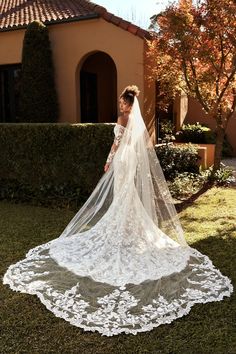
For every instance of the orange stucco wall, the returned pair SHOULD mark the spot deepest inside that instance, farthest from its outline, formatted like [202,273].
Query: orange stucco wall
[196,114]
[71,44]
[11,47]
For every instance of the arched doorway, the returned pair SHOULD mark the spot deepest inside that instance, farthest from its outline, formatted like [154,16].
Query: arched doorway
[98,89]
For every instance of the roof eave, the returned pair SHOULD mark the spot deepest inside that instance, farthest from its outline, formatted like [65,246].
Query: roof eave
[53,22]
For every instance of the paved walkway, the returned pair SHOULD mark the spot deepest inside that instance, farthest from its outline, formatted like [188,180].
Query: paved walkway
[231,162]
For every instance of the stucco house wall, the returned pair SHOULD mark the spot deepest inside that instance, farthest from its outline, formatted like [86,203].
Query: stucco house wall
[72,43]
[196,114]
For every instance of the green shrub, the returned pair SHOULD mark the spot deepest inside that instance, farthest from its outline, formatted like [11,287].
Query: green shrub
[201,134]
[186,184]
[224,176]
[167,131]
[38,100]
[175,159]
[60,163]
[195,133]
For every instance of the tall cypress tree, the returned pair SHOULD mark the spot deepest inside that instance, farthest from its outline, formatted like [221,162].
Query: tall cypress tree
[38,98]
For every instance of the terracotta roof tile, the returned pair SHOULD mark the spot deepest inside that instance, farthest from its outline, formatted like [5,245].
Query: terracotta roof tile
[116,20]
[107,16]
[133,29]
[16,14]
[124,24]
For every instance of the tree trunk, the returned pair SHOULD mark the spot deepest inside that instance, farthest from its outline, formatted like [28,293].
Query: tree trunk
[220,133]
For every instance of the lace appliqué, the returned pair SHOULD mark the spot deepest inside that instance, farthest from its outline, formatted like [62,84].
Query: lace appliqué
[118,131]
[114,310]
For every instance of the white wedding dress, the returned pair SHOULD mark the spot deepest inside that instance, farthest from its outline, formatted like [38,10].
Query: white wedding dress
[122,263]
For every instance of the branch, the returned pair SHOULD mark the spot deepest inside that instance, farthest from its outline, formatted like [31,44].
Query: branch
[184,66]
[212,61]
[230,78]
[198,94]
[232,108]
[222,62]
[221,65]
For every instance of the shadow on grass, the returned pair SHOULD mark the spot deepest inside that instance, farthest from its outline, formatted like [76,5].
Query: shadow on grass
[28,327]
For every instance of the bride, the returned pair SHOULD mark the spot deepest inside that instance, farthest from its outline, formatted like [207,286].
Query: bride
[122,264]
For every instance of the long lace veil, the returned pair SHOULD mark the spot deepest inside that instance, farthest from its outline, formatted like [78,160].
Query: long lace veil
[135,164]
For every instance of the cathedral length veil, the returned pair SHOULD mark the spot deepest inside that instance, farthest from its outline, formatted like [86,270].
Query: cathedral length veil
[122,264]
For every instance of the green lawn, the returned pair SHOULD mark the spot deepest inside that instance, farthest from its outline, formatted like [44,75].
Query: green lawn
[28,327]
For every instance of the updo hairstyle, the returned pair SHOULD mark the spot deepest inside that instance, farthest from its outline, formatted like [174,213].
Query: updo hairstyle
[129,93]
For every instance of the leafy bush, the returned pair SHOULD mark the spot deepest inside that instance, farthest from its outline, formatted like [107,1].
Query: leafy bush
[186,184]
[201,134]
[167,131]
[195,133]
[176,159]
[224,176]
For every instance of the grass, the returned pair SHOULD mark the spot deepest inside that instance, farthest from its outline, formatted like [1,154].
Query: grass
[28,327]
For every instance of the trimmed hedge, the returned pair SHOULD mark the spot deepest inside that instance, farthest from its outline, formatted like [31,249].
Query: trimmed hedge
[50,163]
[60,164]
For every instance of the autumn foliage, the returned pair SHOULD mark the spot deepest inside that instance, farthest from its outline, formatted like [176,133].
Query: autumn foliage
[194,50]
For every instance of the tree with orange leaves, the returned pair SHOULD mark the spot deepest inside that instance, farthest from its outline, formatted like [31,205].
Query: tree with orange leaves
[194,50]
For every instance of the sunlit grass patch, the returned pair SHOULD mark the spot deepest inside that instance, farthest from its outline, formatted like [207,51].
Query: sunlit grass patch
[28,327]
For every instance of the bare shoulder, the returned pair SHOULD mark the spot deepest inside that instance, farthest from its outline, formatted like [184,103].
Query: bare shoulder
[122,121]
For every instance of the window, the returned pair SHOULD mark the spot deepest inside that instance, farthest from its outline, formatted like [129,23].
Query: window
[9,93]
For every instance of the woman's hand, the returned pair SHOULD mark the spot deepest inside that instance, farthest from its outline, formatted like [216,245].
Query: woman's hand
[106,167]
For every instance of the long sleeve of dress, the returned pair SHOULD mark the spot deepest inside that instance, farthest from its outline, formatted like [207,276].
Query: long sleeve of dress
[118,132]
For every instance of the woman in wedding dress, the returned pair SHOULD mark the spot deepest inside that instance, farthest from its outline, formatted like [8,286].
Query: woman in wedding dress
[122,264]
